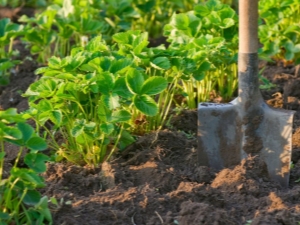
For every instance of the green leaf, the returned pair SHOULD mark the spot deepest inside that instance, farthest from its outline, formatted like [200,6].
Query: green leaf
[201,11]
[145,104]
[297,48]
[134,81]
[56,117]
[204,66]
[161,63]
[67,97]
[4,216]
[289,55]
[32,179]
[121,38]
[77,130]
[36,161]
[32,197]
[111,100]
[120,116]
[226,23]
[43,208]
[54,62]
[42,70]
[96,44]
[182,21]
[154,85]
[289,46]
[105,82]
[6,65]
[140,43]
[120,66]
[121,88]
[126,139]
[103,112]
[199,76]
[3,23]
[36,143]
[107,128]
[26,130]
[12,133]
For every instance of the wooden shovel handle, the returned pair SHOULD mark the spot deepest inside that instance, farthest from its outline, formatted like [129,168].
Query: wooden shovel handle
[248,26]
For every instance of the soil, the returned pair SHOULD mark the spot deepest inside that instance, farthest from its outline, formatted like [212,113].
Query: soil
[157,180]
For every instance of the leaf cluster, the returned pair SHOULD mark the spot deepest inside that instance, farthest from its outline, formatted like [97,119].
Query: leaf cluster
[279,30]
[8,32]
[19,200]
[209,35]
[89,96]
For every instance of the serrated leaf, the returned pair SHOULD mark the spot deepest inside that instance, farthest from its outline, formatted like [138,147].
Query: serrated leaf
[107,128]
[103,112]
[105,82]
[43,208]
[201,11]
[120,116]
[145,104]
[42,70]
[297,48]
[36,162]
[77,130]
[154,85]
[199,76]
[111,100]
[32,197]
[12,133]
[36,143]
[121,38]
[54,62]
[182,21]
[26,130]
[161,63]
[204,66]
[121,88]
[134,81]
[226,23]
[56,117]
[120,66]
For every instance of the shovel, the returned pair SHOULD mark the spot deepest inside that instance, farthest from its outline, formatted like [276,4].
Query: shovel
[247,126]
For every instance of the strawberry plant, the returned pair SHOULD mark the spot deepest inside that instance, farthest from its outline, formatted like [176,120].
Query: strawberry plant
[279,31]
[39,34]
[20,202]
[8,32]
[90,98]
[170,63]
[208,35]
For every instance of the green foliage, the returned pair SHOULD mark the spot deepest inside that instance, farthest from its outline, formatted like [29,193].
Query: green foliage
[209,36]
[28,3]
[20,202]
[91,97]
[8,32]
[279,32]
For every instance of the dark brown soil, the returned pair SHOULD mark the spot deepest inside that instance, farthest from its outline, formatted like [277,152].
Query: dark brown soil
[157,181]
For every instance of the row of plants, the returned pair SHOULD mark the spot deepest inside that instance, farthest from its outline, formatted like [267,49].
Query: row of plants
[100,88]
[20,200]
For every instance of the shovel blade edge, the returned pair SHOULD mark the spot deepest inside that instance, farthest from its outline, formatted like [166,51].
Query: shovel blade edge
[276,132]
[224,138]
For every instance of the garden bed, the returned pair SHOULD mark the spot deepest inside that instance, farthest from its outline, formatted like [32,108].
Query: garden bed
[156,180]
